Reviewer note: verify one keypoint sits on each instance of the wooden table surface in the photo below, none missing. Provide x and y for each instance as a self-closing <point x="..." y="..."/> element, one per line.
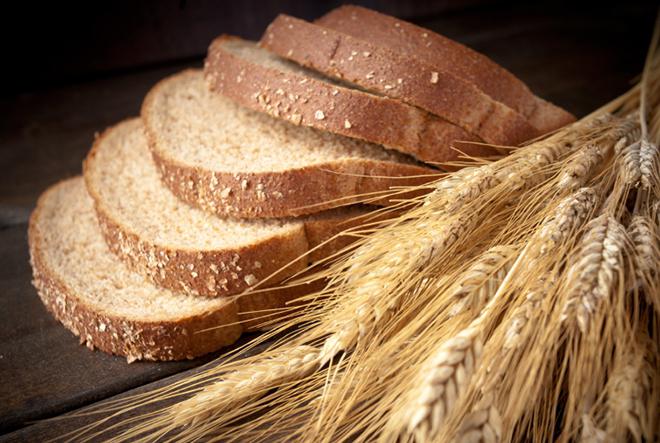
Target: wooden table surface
<point x="578" y="60"/>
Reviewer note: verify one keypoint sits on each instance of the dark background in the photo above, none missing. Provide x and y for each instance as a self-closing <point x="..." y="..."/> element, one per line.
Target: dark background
<point x="72" y="69"/>
<point x="54" y="43"/>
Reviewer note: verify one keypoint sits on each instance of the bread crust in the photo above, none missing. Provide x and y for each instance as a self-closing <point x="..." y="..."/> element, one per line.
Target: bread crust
<point x="447" y="55"/>
<point x="293" y="192"/>
<point x="349" y="112"/>
<point x="181" y="338"/>
<point x="399" y="76"/>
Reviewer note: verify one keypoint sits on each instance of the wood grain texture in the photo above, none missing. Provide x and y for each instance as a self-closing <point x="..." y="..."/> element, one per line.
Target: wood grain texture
<point x="576" y="56"/>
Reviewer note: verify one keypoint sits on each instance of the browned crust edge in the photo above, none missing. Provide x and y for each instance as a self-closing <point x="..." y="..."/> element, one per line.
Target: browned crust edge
<point x="349" y="112"/>
<point x="136" y="340"/>
<point x="378" y="69"/>
<point x="293" y="192"/>
<point x="450" y="55"/>
<point x="220" y="272"/>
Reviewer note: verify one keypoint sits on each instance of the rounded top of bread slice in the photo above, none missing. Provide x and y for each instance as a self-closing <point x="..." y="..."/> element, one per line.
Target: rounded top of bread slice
<point x="260" y="80"/>
<point x="184" y="248"/>
<point x="230" y="160"/>
<point x="93" y="293"/>
<point x="194" y="127"/>
<point x="398" y="75"/>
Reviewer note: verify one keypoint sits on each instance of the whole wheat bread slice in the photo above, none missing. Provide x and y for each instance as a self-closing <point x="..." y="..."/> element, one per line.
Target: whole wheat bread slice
<point x="111" y="308"/>
<point x="233" y="161"/>
<point x="398" y="75"/>
<point x="447" y="55"/>
<point x="260" y="80"/>
<point x="183" y="248"/>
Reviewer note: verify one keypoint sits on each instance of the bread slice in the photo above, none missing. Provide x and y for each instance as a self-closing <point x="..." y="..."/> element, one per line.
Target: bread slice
<point x="184" y="248"/>
<point x="398" y="75"/>
<point x="109" y="307"/>
<point x="236" y="162"/>
<point x="260" y="80"/>
<point x="449" y="56"/>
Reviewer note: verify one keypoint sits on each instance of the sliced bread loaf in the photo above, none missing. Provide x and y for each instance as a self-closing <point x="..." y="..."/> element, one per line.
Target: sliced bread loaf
<point x="447" y="55"/>
<point x="230" y="160"/>
<point x="260" y="80"/>
<point x="184" y="248"/>
<point x="397" y="75"/>
<point x="95" y="296"/>
<point x="109" y="307"/>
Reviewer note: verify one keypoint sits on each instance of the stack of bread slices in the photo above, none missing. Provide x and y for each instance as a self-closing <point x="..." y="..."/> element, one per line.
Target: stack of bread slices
<point x="236" y="176"/>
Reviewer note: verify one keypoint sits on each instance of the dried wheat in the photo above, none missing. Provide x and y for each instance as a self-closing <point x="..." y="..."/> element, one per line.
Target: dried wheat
<point x="582" y="166"/>
<point x="240" y="386"/>
<point x="629" y="383"/>
<point x="479" y="283"/>
<point x="445" y="377"/>
<point x="568" y="216"/>
<point x="483" y="424"/>
<point x="522" y="316"/>
<point x="593" y="276"/>
<point x="590" y="432"/>
<point x="648" y="168"/>
<point x="643" y="233"/>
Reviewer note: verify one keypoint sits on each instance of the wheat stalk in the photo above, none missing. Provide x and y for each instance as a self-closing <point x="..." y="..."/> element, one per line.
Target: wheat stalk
<point x="599" y="262"/>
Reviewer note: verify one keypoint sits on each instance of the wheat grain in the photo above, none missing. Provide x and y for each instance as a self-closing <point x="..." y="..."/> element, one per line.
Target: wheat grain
<point x="483" y="424"/>
<point x="599" y="261"/>
<point x="630" y="164"/>
<point x="243" y="385"/>
<point x="580" y="168"/>
<point x="480" y="282"/>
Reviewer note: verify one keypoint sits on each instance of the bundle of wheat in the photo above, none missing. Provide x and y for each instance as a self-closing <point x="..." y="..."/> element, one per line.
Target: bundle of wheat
<point x="517" y="301"/>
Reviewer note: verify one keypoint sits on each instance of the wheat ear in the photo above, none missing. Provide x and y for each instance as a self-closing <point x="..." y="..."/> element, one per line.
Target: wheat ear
<point x="644" y="235"/>
<point x="569" y="214"/>
<point x="483" y="424"/>
<point x="480" y="282"/>
<point x="599" y="262"/>
<point x="629" y="384"/>
<point x="522" y="316"/>
<point x="582" y="166"/>
<point x="444" y="378"/>
<point x="239" y="386"/>
<point x="590" y="432"/>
